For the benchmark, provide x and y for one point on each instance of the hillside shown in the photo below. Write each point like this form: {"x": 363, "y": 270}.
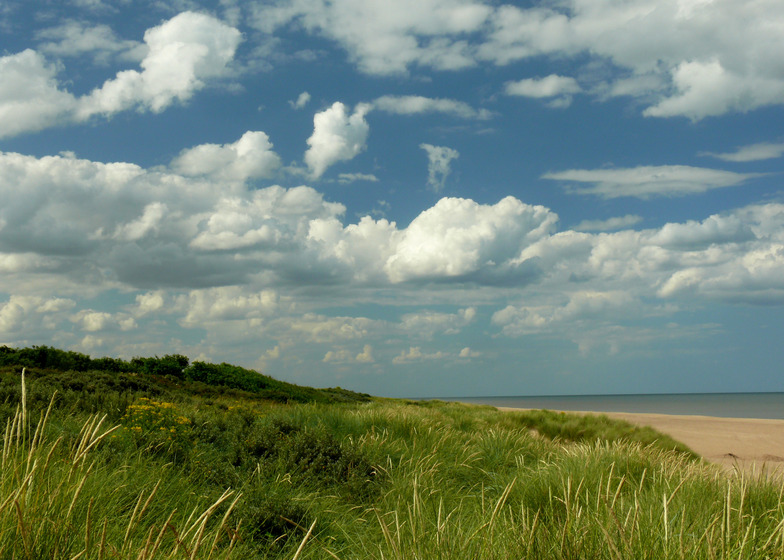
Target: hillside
{"x": 159, "y": 458}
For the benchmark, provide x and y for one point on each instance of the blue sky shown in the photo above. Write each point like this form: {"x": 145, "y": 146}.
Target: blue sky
{"x": 411, "y": 198}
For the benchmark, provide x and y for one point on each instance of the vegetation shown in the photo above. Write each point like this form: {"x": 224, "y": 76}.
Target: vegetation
{"x": 169, "y": 369}
{"x": 120, "y": 463}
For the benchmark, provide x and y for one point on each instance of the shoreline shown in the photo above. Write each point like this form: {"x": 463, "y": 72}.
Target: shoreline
{"x": 751, "y": 445}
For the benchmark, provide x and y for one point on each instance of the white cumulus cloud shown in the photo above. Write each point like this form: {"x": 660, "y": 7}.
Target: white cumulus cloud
{"x": 415, "y": 354}
{"x": 707, "y": 88}
{"x": 686, "y": 69}
{"x": 427, "y": 323}
{"x": 337, "y": 136}
{"x": 250, "y": 157}
{"x": 467, "y": 353}
{"x": 459, "y": 237}
{"x": 30, "y": 96}
{"x": 561, "y": 88}
{"x": 182, "y": 55}
{"x": 386, "y": 37}
{"x": 344, "y": 356}
{"x": 183, "y": 52}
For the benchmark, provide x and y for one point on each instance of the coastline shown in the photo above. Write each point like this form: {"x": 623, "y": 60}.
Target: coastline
{"x": 750, "y": 445}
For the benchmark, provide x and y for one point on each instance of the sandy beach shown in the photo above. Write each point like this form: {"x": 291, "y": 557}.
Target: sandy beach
{"x": 749, "y": 444}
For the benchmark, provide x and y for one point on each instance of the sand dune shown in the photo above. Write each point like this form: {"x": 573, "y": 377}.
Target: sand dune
{"x": 749, "y": 444}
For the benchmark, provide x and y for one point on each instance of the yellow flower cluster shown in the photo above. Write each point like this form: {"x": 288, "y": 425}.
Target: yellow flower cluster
{"x": 147, "y": 416}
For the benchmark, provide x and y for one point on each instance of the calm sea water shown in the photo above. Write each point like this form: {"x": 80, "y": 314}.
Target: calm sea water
{"x": 729, "y": 405}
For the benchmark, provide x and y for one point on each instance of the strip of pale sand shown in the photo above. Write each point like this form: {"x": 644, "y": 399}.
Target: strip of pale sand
{"x": 749, "y": 444}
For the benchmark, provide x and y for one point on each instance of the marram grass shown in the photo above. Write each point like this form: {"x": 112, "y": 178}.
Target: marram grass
{"x": 60, "y": 501}
{"x": 391, "y": 480}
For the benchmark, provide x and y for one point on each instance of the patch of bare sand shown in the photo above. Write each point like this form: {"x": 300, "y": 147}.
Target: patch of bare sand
{"x": 750, "y": 445}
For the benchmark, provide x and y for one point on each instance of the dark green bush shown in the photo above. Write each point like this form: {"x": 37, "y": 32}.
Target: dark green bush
{"x": 171, "y": 371}
{"x": 272, "y": 516}
{"x": 170, "y": 365}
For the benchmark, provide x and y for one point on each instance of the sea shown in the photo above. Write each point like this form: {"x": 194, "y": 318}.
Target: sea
{"x": 727, "y": 405}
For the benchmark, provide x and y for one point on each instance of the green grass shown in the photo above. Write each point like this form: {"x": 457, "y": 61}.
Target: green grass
{"x": 115, "y": 465}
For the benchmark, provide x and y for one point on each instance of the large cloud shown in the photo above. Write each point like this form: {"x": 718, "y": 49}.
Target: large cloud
{"x": 196, "y": 257}
{"x": 30, "y": 97}
{"x": 32, "y": 317}
{"x": 237, "y": 262}
{"x": 600, "y": 291}
{"x": 386, "y": 37}
{"x": 99, "y": 223}
{"x": 87, "y": 225}
{"x": 458, "y": 238}
{"x": 706, "y": 58}
{"x": 118, "y": 222}
{"x": 710, "y": 70}
{"x": 183, "y": 54}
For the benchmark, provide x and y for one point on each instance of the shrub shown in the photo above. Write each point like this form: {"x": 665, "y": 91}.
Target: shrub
{"x": 271, "y": 516}
{"x": 158, "y": 425}
{"x": 170, "y": 365}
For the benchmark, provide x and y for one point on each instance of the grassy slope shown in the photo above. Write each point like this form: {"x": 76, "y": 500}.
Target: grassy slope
{"x": 183, "y": 469}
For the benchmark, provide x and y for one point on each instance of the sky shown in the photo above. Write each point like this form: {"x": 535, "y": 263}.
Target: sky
{"x": 419, "y": 198}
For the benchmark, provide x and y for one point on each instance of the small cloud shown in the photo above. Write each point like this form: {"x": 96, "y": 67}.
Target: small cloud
{"x": 301, "y": 101}
{"x": 562, "y": 102}
{"x": 366, "y": 356}
{"x": 427, "y": 323}
{"x": 74, "y": 38}
{"x": 337, "y": 136}
{"x": 417, "y": 104}
{"x": 560, "y": 88}
{"x": 610, "y": 224}
{"x": 648, "y": 181}
{"x": 439, "y": 164}
{"x": 149, "y": 303}
{"x": 468, "y": 353}
{"x": 344, "y": 356}
{"x": 415, "y": 354}
{"x": 753, "y": 152}
{"x": 337, "y": 356}
{"x": 268, "y": 356}
{"x": 352, "y": 177}
{"x": 90, "y": 343}
{"x": 94, "y": 321}
{"x": 250, "y": 157}
{"x": 380, "y": 210}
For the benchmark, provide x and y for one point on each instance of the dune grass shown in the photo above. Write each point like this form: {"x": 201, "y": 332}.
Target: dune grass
{"x": 169, "y": 474}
